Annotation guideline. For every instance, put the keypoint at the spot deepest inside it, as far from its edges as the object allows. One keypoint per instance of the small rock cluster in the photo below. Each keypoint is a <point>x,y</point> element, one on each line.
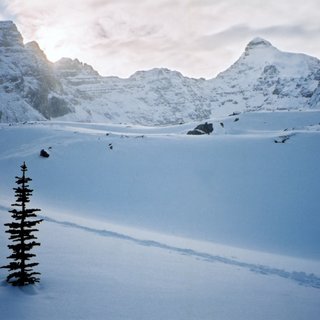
<point>204,128</point>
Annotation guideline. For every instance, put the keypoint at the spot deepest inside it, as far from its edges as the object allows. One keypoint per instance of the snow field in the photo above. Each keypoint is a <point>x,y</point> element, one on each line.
<point>152,228</point>
<point>86,275</point>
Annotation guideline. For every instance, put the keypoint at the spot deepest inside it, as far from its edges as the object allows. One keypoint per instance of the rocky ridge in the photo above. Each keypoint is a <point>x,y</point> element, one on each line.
<point>263,78</point>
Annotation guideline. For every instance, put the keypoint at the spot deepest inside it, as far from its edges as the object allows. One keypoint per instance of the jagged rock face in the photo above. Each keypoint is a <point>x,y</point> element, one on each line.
<point>263,78</point>
<point>314,101</point>
<point>158,96</point>
<point>45,96</point>
<point>29,89</point>
<point>67,67</point>
<point>10,36</point>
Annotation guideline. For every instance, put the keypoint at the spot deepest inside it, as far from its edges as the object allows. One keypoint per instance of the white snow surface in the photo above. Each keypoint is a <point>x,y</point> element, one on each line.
<point>169,226</point>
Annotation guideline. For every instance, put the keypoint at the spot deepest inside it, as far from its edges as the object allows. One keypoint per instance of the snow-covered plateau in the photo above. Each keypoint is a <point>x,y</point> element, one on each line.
<point>166,225</point>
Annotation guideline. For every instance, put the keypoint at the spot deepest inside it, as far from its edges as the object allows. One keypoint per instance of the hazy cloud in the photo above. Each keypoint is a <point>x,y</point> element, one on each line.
<point>243,31</point>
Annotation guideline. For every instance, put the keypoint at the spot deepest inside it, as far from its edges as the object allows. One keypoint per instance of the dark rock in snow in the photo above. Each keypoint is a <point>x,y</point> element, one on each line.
<point>282,139</point>
<point>44,154</point>
<point>195,132</point>
<point>234,113</point>
<point>204,128</point>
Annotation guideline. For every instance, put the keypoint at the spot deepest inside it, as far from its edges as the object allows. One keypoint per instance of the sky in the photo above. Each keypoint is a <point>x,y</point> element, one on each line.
<point>199,38</point>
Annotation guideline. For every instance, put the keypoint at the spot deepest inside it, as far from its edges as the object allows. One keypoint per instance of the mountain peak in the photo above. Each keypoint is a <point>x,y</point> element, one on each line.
<point>70,67</point>
<point>155,73</point>
<point>35,48</point>
<point>9,34</point>
<point>7,24</point>
<point>262,79</point>
<point>258,43</point>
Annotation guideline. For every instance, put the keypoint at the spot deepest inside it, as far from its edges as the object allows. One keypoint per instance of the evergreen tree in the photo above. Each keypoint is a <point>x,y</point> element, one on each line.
<point>21,233</point>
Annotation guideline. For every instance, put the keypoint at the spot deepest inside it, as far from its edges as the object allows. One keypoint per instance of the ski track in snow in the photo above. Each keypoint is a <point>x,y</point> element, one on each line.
<point>302,278</point>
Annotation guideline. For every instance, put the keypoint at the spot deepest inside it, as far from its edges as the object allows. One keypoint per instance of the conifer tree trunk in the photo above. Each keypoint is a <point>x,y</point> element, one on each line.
<point>21,233</point>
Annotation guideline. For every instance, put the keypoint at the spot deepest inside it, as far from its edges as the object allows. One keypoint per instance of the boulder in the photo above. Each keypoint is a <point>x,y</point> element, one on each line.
<point>44,154</point>
<point>195,132</point>
<point>204,128</point>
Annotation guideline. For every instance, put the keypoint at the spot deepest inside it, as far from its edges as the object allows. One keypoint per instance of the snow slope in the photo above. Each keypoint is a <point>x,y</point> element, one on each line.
<point>170,226</point>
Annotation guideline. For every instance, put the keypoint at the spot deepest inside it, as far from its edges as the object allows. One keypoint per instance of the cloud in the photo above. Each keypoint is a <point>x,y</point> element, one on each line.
<point>244,31</point>
<point>196,37</point>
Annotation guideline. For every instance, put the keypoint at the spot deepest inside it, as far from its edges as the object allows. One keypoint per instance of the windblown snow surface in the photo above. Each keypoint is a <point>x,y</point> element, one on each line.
<point>166,225</point>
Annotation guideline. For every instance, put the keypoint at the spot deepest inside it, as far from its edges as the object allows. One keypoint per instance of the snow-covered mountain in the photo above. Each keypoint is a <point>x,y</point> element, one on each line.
<point>264,78</point>
<point>29,88</point>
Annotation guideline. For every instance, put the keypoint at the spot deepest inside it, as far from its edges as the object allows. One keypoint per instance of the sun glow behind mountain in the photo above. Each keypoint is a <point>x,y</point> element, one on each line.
<point>53,43</point>
<point>197,37</point>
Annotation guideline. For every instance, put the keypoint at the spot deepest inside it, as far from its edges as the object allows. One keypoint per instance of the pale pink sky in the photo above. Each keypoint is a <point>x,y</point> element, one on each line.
<point>199,38</point>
